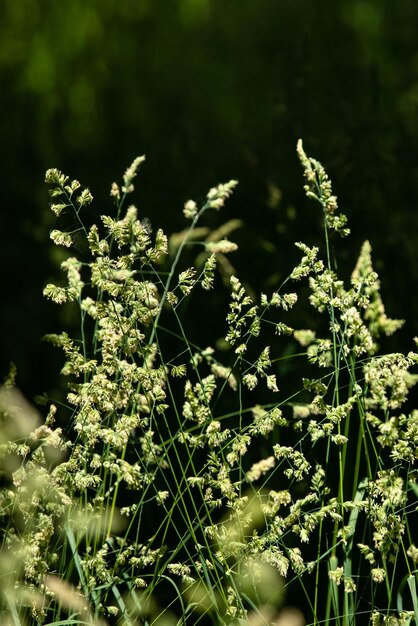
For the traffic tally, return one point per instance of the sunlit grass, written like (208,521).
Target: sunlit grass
(182,482)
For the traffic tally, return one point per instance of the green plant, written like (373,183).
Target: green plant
(173,488)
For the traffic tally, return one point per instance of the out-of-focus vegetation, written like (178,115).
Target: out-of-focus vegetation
(210,90)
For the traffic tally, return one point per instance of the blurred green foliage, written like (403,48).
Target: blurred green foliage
(209,90)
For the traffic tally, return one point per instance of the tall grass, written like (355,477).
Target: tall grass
(178,484)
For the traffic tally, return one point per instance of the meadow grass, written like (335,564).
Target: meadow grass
(180,483)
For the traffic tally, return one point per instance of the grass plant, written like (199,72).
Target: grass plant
(177,484)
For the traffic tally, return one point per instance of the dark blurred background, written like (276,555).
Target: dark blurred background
(209,90)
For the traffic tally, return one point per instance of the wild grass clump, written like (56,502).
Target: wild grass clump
(180,483)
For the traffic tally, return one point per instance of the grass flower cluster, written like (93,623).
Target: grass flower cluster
(179,483)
